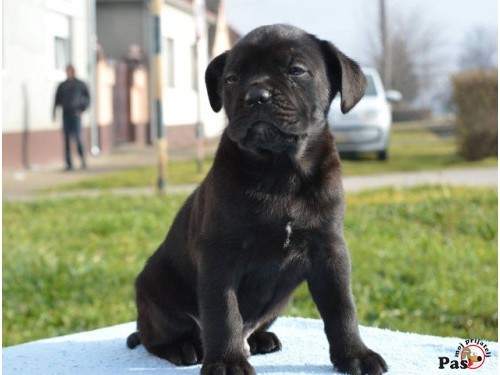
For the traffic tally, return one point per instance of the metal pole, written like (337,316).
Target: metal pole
(386,47)
(201,50)
(156,76)
(92,50)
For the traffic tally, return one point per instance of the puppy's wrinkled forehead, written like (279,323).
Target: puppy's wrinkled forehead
(266,34)
(275,44)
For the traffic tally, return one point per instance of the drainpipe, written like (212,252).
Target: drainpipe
(26,130)
(92,55)
(201,51)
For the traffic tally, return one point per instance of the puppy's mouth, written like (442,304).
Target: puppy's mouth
(265,137)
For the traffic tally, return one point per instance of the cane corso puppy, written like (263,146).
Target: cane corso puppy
(268,216)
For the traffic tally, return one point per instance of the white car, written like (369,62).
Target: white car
(367,127)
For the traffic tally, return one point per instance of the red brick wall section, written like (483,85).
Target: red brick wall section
(45,148)
(38,148)
(105,139)
(181,136)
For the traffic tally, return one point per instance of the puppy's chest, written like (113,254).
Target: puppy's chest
(304,212)
(282,226)
(279,238)
(275,239)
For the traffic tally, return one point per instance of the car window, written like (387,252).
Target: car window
(370,89)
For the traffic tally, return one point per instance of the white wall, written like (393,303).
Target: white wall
(180,102)
(30,78)
(29,75)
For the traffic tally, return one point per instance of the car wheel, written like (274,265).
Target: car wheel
(382,155)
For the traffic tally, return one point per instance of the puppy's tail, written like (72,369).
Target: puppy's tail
(133,340)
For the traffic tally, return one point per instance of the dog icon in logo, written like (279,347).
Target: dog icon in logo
(474,355)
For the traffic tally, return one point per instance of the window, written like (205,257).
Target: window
(59,38)
(61,46)
(170,71)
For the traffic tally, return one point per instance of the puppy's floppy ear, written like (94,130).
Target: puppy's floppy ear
(345,76)
(213,80)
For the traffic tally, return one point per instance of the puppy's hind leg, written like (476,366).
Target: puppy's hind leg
(262,342)
(133,340)
(168,336)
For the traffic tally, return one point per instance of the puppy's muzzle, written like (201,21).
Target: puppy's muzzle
(263,136)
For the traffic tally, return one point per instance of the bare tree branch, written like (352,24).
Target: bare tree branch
(479,49)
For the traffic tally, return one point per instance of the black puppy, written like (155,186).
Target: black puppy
(268,216)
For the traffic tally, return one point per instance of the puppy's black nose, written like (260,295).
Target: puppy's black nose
(256,96)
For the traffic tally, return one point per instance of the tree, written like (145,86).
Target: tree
(403,70)
(407,51)
(479,49)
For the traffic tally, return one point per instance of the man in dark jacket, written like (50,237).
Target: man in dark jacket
(73,96)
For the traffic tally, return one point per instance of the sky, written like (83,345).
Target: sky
(349,23)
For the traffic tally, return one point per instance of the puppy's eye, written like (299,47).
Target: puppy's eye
(296,71)
(231,79)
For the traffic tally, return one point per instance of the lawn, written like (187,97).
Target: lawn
(413,147)
(424,260)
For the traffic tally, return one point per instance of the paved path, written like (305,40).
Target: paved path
(31,184)
(473,177)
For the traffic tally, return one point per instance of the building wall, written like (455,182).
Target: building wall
(180,101)
(38,148)
(30,76)
(216,122)
(180,97)
(180,104)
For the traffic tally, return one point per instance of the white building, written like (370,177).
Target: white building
(39,39)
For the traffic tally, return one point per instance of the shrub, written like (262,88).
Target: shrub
(475,96)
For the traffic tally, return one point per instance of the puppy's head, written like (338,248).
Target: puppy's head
(276,85)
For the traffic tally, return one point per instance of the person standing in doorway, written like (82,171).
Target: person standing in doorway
(73,96)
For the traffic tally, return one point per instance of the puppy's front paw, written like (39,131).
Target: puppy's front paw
(232,367)
(262,342)
(367,362)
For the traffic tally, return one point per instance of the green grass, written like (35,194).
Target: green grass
(412,148)
(179,172)
(69,265)
(424,260)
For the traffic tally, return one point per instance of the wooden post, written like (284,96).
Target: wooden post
(156,76)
